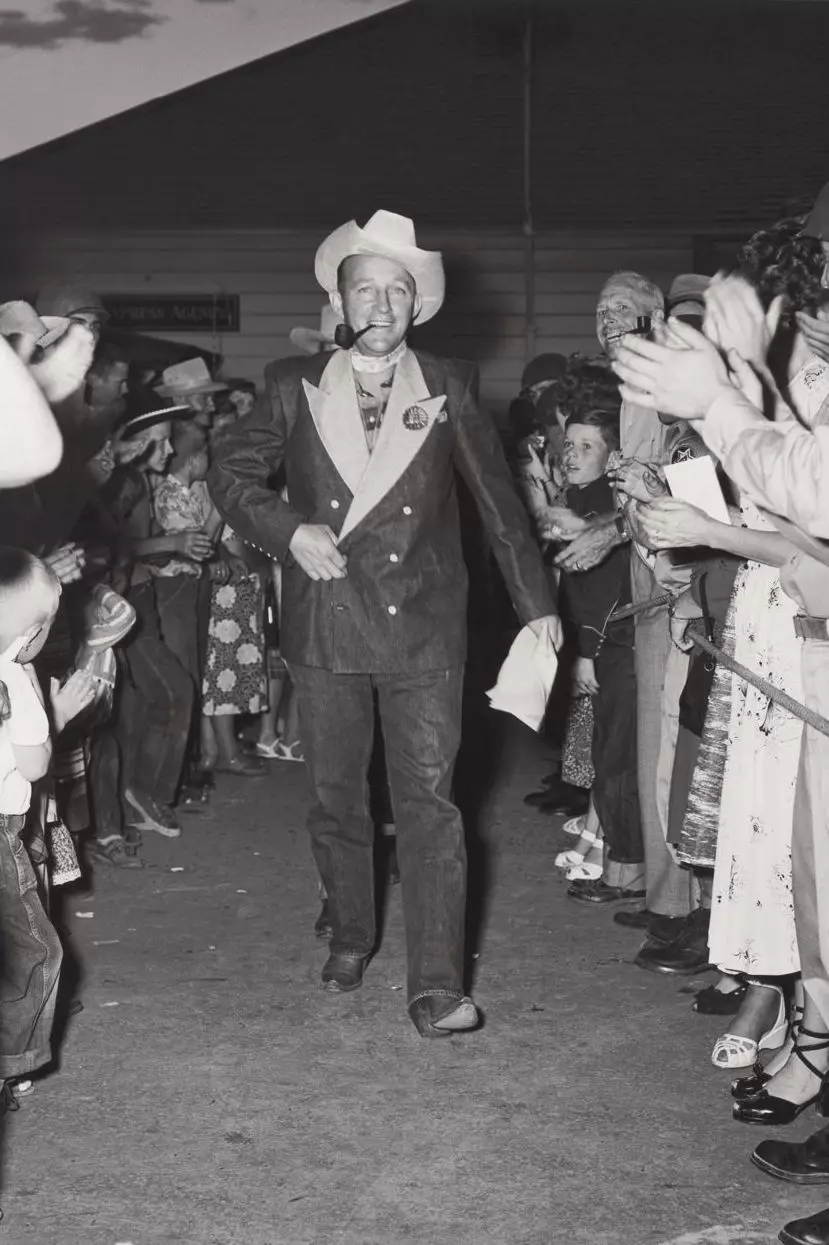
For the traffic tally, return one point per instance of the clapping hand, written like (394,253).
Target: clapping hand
(682,381)
(77,694)
(67,562)
(735,319)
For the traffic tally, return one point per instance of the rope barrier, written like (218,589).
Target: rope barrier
(768,689)
(775,694)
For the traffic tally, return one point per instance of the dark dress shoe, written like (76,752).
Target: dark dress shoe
(811,1231)
(342,972)
(633,918)
(550,785)
(569,801)
(597,891)
(800,1162)
(686,955)
(322,926)
(441,1015)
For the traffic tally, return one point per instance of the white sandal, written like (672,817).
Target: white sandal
(731,1051)
(584,872)
(576,826)
(573,857)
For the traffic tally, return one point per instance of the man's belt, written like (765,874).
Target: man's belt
(811,628)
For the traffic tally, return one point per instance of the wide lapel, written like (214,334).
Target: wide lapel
(336,415)
(396,444)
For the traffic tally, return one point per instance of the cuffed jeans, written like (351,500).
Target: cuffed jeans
(421,723)
(30,960)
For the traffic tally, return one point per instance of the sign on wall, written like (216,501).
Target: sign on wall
(182,313)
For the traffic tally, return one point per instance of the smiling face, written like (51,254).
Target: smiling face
(585,454)
(376,291)
(616,314)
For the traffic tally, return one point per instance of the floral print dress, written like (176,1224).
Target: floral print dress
(235,677)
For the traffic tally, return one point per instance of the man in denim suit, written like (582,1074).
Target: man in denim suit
(374,589)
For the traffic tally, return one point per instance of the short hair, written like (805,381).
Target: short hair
(784,260)
(107,355)
(648,290)
(187,438)
(608,427)
(588,384)
(18,569)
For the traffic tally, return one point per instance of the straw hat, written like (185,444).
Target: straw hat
(393,237)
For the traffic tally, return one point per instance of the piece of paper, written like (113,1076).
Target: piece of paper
(526,678)
(695,481)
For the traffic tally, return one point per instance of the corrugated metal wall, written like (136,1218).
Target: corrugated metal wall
(484,318)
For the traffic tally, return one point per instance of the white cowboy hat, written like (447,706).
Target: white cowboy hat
(312,341)
(186,379)
(392,236)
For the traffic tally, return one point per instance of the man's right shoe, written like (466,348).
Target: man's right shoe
(569,801)
(799,1162)
(343,972)
(685,955)
(811,1231)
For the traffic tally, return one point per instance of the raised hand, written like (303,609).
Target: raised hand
(77,694)
(683,382)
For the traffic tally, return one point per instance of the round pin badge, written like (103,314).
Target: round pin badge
(415,419)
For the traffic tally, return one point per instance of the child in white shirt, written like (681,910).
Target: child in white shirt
(29,947)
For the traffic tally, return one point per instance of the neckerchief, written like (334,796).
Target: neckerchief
(370,363)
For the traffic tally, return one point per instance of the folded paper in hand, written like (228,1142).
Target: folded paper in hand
(526,678)
(695,481)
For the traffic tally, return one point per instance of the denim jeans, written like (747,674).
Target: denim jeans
(153,714)
(421,723)
(30,960)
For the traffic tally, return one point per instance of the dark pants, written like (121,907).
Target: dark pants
(155,706)
(616,785)
(183,603)
(30,960)
(421,723)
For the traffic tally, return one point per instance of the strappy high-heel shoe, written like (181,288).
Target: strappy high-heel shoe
(733,1051)
(745,1087)
(766,1108)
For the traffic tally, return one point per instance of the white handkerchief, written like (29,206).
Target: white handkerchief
(695,481)
(526,678)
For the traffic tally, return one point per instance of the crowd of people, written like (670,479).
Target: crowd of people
(694,791)
(672,481)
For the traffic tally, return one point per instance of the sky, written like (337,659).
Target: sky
(68,63)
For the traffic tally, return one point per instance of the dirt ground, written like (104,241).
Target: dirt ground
(210,1094)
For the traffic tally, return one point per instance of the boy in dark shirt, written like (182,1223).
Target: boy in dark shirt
(604,664)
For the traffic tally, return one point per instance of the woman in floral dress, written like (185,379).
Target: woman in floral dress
(235,673)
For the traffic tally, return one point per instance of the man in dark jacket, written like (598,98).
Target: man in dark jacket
(374,589)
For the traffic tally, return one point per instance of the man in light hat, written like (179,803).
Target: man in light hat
(374,589)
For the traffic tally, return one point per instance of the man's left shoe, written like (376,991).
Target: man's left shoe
(811,1231)
(343,972)
(441,1015)
(597,891)
(686,955)
(799,1162)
